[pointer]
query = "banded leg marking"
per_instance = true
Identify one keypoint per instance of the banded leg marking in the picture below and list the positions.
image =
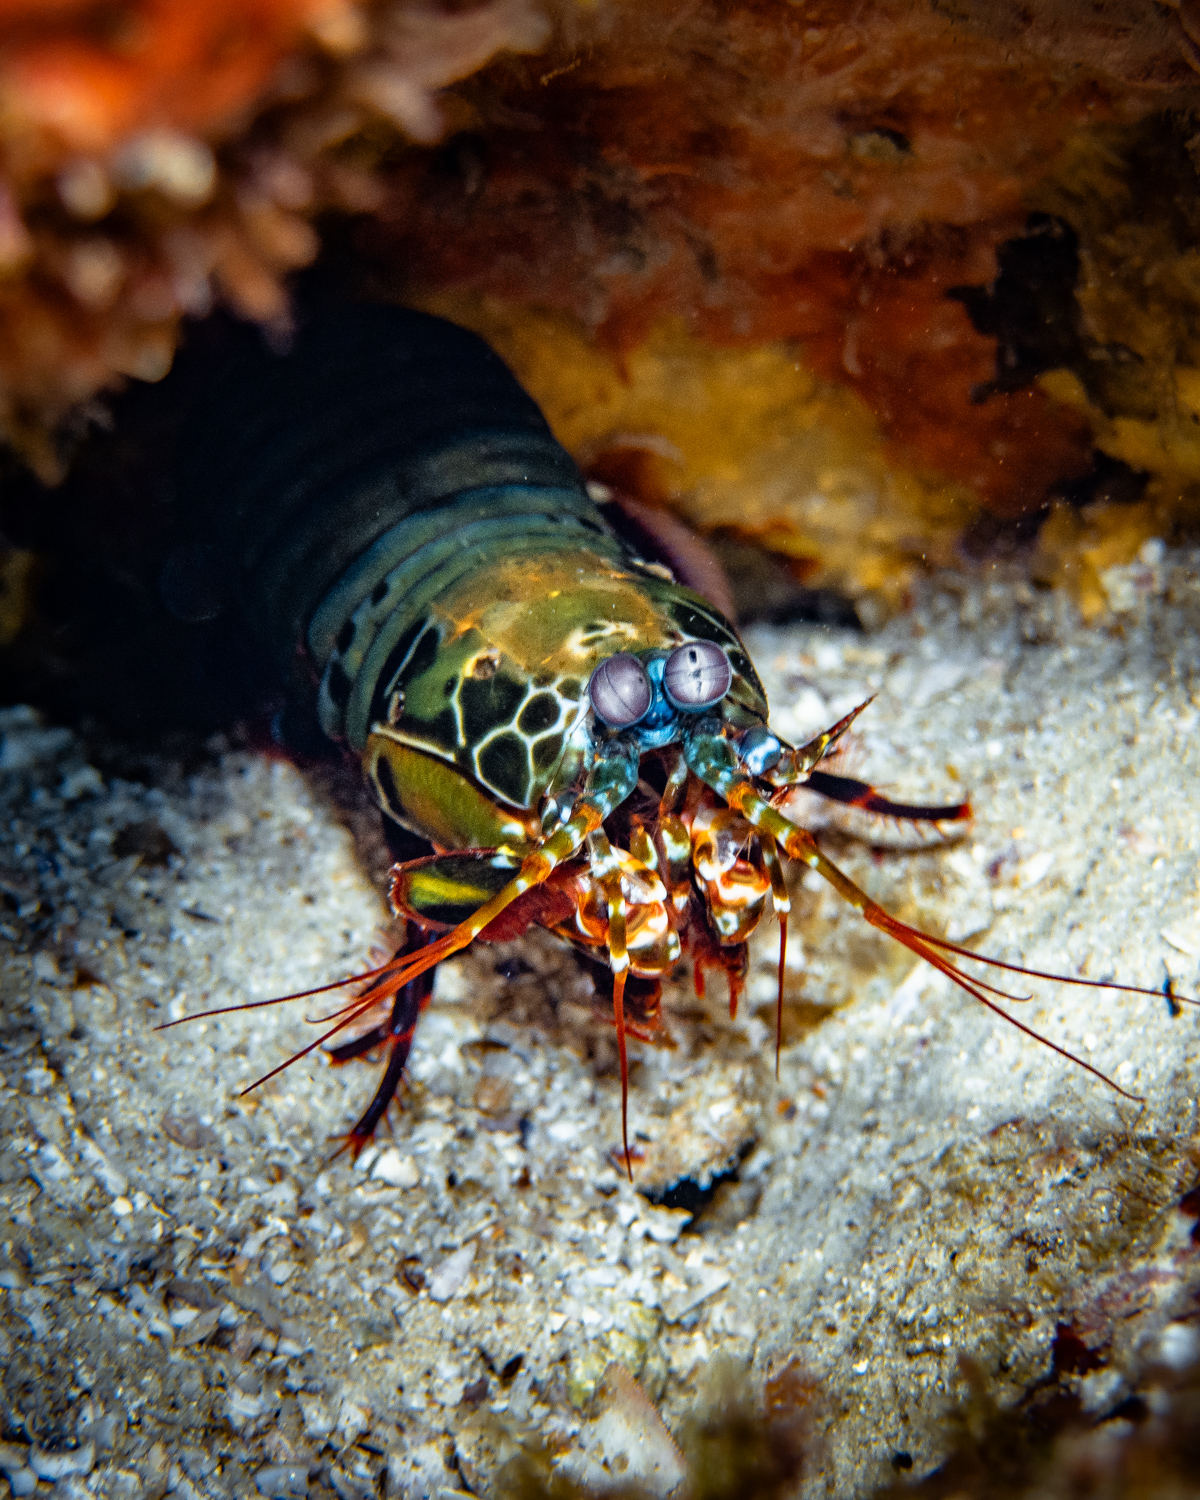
(782, 902)
(604, 868)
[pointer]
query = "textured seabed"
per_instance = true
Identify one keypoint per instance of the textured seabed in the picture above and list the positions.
(194, 1299)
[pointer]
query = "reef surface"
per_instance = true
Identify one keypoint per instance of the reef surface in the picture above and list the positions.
(933, 268)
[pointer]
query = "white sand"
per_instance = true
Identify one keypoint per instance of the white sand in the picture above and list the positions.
(190, 1290)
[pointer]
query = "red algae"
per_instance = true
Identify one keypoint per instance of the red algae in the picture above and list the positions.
(785, 175)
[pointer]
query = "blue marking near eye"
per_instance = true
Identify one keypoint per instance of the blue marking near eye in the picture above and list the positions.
(659, 725)
(759, 750)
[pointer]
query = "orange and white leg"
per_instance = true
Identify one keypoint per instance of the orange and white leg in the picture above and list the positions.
(782, 902)
(603, 865)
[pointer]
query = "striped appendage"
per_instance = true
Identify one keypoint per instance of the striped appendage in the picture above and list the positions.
(669, 866)
(713, 760)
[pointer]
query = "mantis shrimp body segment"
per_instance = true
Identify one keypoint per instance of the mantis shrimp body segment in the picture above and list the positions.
(577, 738)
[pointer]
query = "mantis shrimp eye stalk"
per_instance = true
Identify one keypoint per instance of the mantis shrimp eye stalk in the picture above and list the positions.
(559, 730)
(697, 676)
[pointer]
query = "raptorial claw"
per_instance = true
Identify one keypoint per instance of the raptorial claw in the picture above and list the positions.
(862, 794)
(795, 766)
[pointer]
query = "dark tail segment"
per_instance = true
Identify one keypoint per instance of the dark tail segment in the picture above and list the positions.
(861, 794)
(304, 460)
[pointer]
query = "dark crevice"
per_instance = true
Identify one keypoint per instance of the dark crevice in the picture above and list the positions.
(767, 592)
(702, 1194)
(1070, 1355)
(1030, 309)
(991, 537)
(1109, 480)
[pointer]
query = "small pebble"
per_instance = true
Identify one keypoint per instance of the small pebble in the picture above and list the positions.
(282, 1481)
(318, 1423)
(84, 781)
(353, 1420)
(399, 1171)
(451, 1274)
(13, 1456)
(54, 1466)
(1179, 1346)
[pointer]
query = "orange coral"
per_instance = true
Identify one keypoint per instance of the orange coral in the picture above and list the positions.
(75, 79)
(154, 152)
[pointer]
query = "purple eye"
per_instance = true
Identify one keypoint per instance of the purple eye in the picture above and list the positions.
(620, 691)
(697, 675)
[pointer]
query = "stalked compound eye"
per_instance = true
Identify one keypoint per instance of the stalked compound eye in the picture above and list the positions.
(697, 675)
(620, 691)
